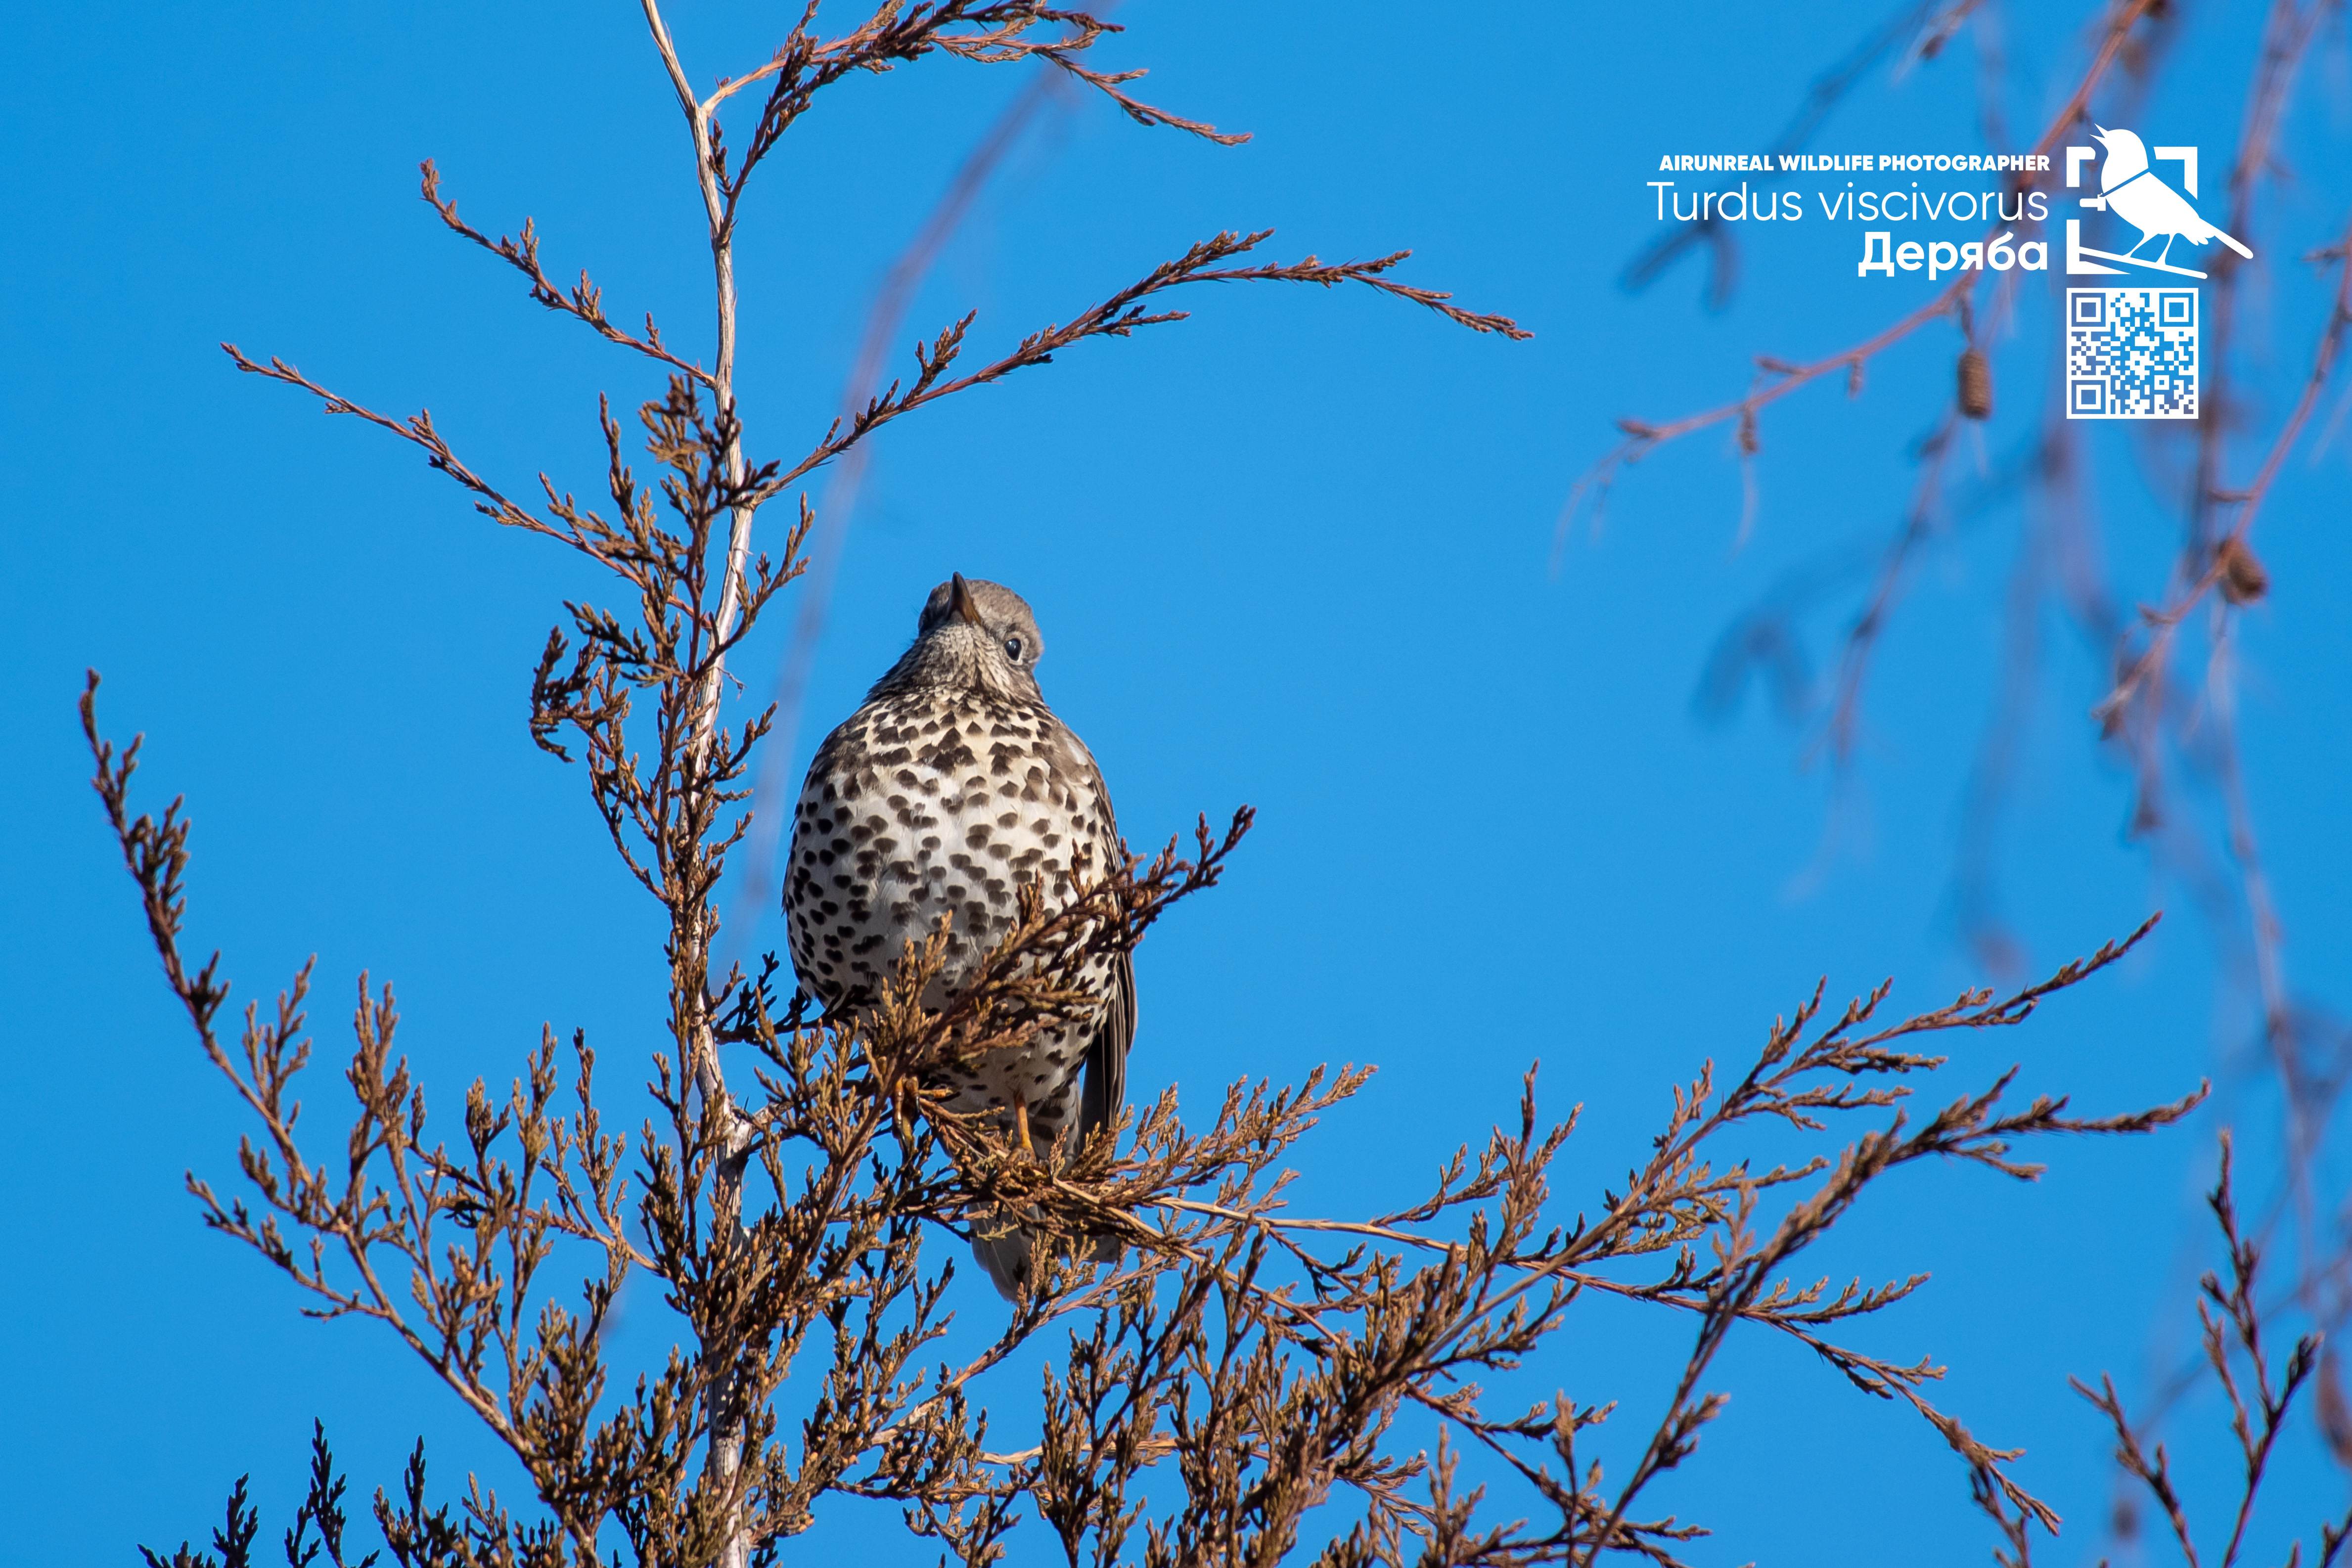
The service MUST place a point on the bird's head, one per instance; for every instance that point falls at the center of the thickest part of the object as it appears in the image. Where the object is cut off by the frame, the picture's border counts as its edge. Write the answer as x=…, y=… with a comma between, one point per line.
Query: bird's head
x=2127, y=154
x=973, y=633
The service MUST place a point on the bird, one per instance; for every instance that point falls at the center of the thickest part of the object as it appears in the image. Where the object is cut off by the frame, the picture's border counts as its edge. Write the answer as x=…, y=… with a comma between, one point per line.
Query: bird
x=2131, y=190
x=950, y=789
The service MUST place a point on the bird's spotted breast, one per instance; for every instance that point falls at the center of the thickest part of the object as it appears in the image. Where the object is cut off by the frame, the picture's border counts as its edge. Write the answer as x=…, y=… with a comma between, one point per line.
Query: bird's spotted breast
x=945, y=803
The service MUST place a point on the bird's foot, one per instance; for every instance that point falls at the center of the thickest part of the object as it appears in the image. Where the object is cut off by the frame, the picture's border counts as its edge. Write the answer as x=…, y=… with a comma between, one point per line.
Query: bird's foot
x=1021, y=1125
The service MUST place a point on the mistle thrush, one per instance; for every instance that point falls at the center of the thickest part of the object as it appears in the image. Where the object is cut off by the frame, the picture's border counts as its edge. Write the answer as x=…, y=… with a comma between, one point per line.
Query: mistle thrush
x=950, y=789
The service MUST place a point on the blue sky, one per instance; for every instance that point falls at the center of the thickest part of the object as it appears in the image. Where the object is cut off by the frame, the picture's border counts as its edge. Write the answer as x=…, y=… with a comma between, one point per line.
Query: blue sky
x=1294, y=552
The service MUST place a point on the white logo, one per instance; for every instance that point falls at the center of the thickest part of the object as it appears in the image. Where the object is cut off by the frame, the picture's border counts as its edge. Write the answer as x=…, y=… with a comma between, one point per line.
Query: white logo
x=2130, y=188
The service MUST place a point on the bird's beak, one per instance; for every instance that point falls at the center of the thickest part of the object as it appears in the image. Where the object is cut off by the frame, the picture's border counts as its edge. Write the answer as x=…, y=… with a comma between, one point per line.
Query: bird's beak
x=960, y=604
x=2099, y=134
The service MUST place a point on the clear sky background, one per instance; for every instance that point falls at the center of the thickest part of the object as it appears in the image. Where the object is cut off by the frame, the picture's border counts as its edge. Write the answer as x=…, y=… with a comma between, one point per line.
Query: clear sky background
x=1294, y=552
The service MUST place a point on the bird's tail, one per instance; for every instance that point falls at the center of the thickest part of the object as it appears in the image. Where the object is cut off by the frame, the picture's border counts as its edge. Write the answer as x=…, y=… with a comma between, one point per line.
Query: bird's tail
x=2230, y=240
x=1006, y=1249
x=1003, y=1245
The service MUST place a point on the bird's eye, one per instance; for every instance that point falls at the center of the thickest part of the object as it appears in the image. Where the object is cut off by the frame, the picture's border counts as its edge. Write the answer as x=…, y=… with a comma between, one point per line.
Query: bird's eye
x=1012, y=646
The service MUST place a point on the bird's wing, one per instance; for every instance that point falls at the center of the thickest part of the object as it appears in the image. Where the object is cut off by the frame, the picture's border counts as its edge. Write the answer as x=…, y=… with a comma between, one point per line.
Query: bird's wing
x=796, y=879
x=1106, y=1085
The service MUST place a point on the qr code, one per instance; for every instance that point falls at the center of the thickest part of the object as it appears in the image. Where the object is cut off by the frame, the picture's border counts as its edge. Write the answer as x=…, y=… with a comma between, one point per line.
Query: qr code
x=2131, y=353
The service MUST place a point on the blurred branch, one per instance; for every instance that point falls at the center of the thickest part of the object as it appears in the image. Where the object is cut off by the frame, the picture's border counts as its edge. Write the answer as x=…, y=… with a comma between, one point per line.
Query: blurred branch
x=884, y=320
x=1918, y=22
x=2230, y=565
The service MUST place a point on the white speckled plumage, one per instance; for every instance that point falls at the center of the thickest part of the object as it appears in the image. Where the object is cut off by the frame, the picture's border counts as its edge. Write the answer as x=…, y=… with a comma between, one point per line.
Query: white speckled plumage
x=951, y=788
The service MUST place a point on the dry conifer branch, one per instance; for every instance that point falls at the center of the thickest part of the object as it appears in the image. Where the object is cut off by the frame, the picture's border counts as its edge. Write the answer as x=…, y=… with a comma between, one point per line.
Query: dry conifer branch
x=1268, y=1369
x=2260, y=1396
x=1116, y=317
x=584, y=301
x=315, y=1538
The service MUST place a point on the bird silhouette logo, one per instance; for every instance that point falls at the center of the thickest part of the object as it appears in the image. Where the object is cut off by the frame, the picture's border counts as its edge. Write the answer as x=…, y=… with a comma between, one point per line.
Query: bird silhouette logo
x=2130, y=188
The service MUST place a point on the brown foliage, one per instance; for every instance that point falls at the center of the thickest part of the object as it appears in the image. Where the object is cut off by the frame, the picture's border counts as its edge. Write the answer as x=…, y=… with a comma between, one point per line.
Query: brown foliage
x=2229, y=1322
x=1265, y=1357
